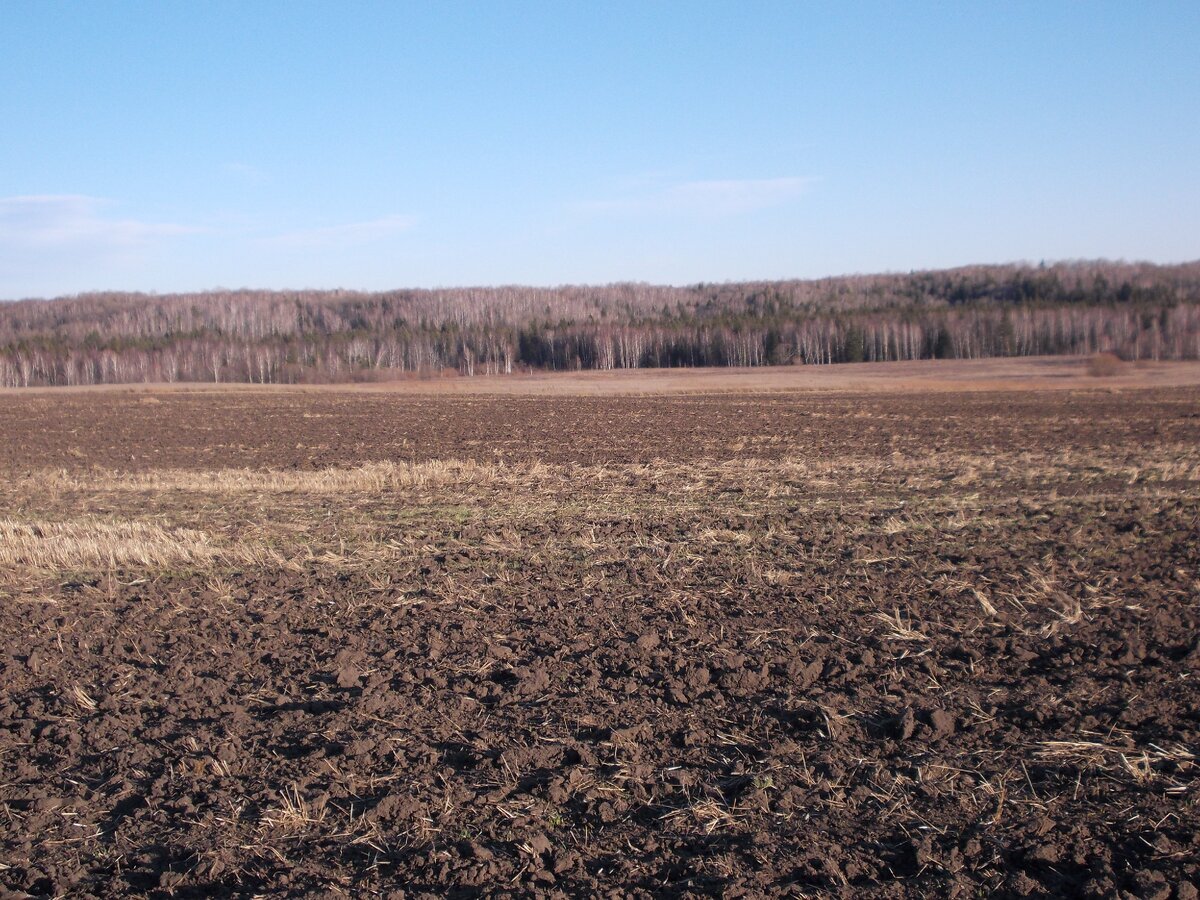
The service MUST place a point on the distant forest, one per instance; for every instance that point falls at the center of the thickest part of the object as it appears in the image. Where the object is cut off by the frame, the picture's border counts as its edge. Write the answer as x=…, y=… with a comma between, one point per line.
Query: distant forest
x=1138, y=311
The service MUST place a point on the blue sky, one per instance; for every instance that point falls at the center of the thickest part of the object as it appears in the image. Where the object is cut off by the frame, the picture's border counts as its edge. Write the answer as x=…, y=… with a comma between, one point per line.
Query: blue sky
x=185, y=146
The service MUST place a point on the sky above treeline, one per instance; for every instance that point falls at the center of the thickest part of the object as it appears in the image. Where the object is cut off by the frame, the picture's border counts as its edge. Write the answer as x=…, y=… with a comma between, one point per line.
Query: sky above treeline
x=187, y=146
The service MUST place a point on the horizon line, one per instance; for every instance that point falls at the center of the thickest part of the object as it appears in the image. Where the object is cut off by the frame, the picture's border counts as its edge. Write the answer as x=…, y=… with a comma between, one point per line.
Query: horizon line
x=581, y=285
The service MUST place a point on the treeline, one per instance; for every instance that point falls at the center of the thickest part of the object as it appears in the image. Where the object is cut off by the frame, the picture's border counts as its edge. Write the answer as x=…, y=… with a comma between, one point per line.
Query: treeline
x=1138, y=311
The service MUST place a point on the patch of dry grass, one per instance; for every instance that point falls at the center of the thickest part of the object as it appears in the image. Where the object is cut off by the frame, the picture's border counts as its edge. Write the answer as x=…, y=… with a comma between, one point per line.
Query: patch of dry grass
x=294, y=813
x=93, y=545
x=899, y=627
x=87, y=544
x=706, y=816
x=1141, y=764
x=371, y=478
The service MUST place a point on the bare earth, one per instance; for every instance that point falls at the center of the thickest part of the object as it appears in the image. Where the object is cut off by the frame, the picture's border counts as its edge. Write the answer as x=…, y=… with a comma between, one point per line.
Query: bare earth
x=883, y=631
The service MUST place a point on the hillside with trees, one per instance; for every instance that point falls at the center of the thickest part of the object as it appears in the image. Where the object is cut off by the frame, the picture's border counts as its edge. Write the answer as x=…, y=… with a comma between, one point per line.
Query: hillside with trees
x=1138, y=311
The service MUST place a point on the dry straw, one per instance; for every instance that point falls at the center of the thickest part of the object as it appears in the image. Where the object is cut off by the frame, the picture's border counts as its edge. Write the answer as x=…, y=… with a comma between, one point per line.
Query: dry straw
x=90, y=544
x=96, y=545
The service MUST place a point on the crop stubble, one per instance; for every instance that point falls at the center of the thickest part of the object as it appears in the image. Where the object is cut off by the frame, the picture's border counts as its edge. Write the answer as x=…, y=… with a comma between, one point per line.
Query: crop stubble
x=737, y=645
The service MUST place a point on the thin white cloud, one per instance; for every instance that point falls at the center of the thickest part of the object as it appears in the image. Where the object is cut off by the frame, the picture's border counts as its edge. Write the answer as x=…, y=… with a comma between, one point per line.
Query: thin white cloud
x=74, y=221
x=347, y=234
x=722, y=197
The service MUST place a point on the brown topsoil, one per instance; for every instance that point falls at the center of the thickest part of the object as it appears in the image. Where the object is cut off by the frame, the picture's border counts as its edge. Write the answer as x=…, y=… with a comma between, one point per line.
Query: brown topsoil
x=738, y=644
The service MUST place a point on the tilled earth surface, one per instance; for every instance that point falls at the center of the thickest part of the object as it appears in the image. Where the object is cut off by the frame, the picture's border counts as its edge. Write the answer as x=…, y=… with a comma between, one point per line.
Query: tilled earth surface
x=740, y=646
x=286, y=429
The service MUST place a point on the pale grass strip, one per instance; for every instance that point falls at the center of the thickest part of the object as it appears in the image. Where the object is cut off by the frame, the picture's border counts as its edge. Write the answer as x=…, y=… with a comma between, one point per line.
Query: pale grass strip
x=1169, y=464
x=86, y=544
x=368, y=478
x=91, y=545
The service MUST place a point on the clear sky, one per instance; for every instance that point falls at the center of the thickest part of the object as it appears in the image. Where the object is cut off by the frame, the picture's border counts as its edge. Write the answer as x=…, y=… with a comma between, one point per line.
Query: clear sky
x=168, y=146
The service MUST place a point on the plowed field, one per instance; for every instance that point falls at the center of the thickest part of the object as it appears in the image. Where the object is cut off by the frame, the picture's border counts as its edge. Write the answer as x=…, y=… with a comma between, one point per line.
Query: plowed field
x=367, y=644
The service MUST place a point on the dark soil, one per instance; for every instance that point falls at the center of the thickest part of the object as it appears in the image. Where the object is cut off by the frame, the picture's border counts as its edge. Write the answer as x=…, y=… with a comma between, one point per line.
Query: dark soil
x=726, y=698
x=295, y=430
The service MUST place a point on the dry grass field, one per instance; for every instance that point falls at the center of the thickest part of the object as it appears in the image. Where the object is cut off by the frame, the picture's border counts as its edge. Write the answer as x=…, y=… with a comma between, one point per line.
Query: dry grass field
x=704, y=637
x=993, y=374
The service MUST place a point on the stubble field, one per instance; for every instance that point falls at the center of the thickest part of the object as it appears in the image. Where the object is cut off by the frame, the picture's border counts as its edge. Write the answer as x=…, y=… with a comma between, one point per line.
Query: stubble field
x=348, y=643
